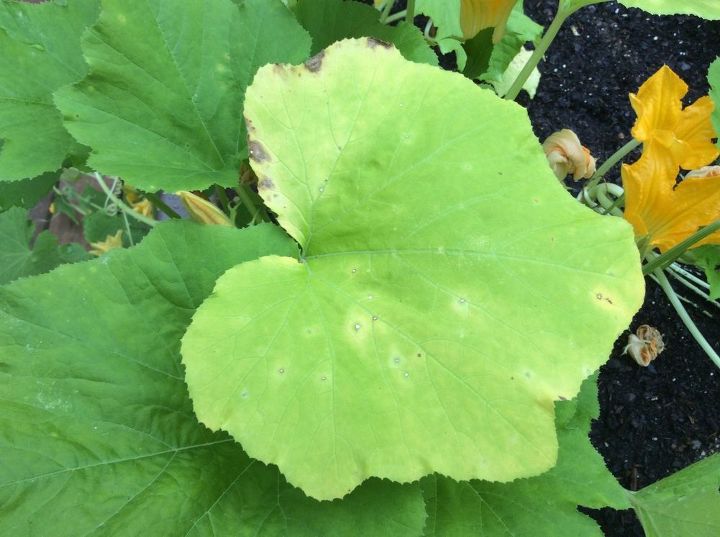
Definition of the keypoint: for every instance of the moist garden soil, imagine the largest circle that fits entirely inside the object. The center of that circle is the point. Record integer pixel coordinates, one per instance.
(660, 419)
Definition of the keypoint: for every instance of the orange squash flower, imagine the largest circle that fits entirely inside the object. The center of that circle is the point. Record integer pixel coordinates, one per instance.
(476, 15)
(683, 137)
(660, 210)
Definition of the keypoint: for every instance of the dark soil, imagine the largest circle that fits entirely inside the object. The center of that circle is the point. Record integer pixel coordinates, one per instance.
(655, 420)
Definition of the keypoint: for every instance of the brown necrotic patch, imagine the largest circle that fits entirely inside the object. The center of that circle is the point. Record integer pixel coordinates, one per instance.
(266, 184)
(257, 151)
(314, 64)
(372, 43)
(249, 124)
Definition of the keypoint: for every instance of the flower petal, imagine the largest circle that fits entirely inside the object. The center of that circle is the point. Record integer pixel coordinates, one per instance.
(658, 104)
(694, 133)
(476, 15)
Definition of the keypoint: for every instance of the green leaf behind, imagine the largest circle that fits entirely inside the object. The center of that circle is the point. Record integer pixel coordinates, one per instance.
(686, 503)
(39, 53)
(328, 21)
(18, 259)
(714, 80)
(162, 104)
(26, 192)
(99, 437)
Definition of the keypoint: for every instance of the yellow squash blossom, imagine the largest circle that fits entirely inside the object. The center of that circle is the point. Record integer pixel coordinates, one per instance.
(566, 155)
(662, 211)
(111, 242)
(664, 214)
(203, 211)
(476, 15)
(683, 137)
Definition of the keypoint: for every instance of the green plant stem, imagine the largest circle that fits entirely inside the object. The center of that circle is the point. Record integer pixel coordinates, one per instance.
(396, 16)
(121, 205)
(537, 55)
(249, 204)
(386, 10)
(601, 194)
(685, 317)
(160, 204)
(619, 201)
(223, 199)
(691, 286)
(410, 12)
(673, 253)
(612, 160)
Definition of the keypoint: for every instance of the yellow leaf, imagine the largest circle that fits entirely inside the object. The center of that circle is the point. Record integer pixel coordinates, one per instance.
(476, 15)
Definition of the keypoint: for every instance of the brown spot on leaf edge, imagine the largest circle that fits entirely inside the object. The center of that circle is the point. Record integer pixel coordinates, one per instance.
(266, 184)
(257, 151)
(314, 64)
(249, 123)
(373, 42)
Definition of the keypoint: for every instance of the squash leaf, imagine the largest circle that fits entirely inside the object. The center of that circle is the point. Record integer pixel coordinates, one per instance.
(685, 503)
(162, 104)
(542, 505)
(39, 53)
(328, 21)
(408, 340)
(99, 437)
(18, 258)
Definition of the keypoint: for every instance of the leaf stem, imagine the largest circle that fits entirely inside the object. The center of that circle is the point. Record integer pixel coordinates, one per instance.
(410, 12)
(247, 201)
(121, 204)
(685, 316)
(611, 161)
(540, 50)
(676, 251)
(396, 16)
(386, 10)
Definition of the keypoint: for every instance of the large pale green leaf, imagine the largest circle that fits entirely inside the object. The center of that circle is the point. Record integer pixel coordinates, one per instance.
(686, 503)
(707, 9)
(162, 104)
(328, 21)
(542, 505)
(449, 289)
(19, 259)
(98, 434)
(39, 52)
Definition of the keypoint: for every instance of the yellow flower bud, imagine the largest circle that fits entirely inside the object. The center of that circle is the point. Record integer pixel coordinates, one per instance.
(567, 155)
(111, 242)
(202, 210)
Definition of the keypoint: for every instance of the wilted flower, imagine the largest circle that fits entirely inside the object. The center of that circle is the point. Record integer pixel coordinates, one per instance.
(202, 210)
(567, 155)
(111, 242)
(645, 345)
(476, 15)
